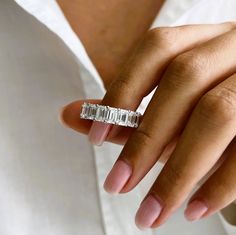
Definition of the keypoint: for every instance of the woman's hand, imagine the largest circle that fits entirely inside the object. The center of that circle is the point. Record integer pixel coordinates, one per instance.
(192, 117)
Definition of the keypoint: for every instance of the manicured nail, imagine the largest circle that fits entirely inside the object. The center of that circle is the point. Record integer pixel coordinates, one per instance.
(117, 178)
(195, 210)
(148, 212)
(98, 132)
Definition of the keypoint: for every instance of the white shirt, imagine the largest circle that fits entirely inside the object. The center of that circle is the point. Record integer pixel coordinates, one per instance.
(50, 177)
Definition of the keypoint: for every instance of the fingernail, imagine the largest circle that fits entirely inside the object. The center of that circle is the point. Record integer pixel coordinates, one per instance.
(117, 178)
(148, 212)
(195, 210)
(98, 132)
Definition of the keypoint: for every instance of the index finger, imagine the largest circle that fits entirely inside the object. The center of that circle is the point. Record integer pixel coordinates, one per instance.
(147, 65)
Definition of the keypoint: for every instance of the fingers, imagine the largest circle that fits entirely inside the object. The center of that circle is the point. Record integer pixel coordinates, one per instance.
(218, 192)
(70, 117)
(145, 69)
(209, 131)
(184, 82)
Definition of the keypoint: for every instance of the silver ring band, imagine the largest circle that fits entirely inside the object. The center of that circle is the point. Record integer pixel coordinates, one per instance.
(106, 114)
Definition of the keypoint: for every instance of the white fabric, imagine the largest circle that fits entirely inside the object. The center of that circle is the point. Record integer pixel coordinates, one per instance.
(44, 168)
(48, 173)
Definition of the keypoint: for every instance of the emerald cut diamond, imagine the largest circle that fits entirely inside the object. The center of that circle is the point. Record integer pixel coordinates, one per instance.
(110, 115)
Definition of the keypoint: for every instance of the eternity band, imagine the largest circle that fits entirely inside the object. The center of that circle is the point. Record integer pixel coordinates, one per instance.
(106, 114)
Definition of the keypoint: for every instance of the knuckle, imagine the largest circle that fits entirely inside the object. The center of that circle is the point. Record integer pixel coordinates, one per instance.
(163, 37)
(173, 176)
(218, 106)
(170, 181)
(190, 65)
(188, 68)
(143, 137)
(120, 85)
(137, 143)
(118, 92)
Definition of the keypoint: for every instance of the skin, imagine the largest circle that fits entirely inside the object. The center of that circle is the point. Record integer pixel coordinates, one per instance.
(193, 111)
(115, 29)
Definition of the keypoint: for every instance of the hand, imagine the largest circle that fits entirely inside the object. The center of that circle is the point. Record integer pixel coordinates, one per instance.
(194, 107)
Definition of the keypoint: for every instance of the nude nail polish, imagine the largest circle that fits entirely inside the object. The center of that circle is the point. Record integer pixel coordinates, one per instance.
(98, 132)
(195, 210)
(149, 210)
(118, 177)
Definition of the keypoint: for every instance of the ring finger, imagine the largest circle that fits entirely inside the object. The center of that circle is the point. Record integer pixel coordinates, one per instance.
(211, 128)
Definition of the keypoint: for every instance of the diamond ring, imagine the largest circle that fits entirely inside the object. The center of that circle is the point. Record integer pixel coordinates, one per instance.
(106, 114)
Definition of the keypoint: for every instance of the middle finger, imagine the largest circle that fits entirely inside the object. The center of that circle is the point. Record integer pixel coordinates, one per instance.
(189, 76)
(209, 131)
